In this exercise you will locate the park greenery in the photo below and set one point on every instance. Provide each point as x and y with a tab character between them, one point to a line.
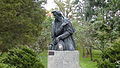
20	23
25	32
23	57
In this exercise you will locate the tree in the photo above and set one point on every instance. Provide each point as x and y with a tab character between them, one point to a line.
103	17
45	38
20	23
107	23
64	6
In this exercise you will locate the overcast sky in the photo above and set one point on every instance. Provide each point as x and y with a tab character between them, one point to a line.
50	4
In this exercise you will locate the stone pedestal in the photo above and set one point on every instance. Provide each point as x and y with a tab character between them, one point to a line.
63	59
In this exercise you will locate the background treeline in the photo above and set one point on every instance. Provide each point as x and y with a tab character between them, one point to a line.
99	30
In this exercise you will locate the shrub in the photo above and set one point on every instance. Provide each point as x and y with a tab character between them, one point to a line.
2	65
111	56
22	57
106	64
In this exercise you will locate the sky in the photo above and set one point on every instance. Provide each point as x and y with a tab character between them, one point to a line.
50	4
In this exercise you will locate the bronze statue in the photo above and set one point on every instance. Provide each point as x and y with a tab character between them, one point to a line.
62	32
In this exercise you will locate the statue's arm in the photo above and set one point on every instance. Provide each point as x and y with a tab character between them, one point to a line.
68	32
58	31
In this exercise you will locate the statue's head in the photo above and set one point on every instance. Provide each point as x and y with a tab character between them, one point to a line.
57	14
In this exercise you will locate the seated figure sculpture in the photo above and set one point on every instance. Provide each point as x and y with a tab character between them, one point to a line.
62	32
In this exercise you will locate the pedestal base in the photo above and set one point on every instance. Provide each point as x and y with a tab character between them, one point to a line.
63	59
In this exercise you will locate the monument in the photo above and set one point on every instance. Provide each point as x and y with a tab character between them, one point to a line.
62	53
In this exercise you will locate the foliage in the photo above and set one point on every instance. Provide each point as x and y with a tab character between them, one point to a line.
111	56
106	64
22	57
64	6
45	38
83	38
2	65
104	21
80	30
98	26
20	22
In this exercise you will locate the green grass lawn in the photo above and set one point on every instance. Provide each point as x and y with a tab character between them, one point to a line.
84	62
43	57
87	63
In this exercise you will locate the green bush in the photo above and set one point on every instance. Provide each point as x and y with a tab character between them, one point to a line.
22	57
106	64
2	65
111	56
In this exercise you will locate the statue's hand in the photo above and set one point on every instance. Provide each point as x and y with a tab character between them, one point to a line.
58	39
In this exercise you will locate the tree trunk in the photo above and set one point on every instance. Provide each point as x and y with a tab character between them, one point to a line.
87	52
83	52
91	55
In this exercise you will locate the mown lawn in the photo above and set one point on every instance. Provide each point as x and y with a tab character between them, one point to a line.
87	63
43	57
